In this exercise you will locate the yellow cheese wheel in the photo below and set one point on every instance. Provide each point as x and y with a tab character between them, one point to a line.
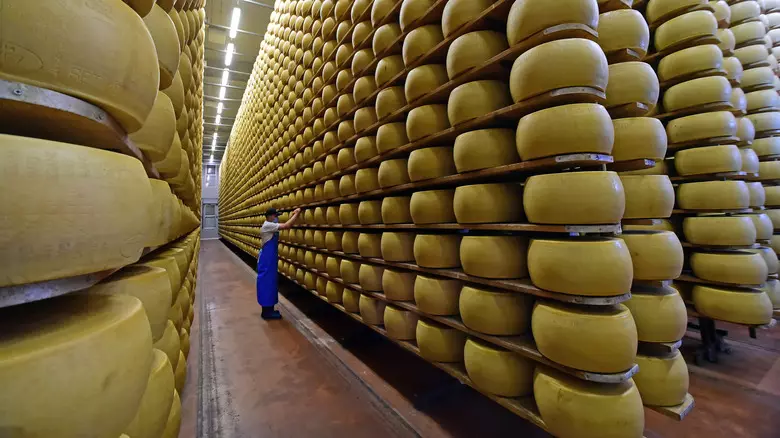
760	100
772	289
690	61
172	269
497	371
460	12
589	129
173	423
385	40
747	11
398	246
370	278
483	149
531	17
476	99
710	159
662	381
772	196
727	43
746	132
769	170
748	32
769	256
571	407
413	10
390	136
347	185
170	344
166	41
738	306
717	230
437	296
638	138
750	164
346	130
623	29
655	255
702	126
558	64
367	180
765	123
766	146
370	245
495	313
400	324
733	68
684	28
396	210
387	69
439	343
90	212
331	189
370	212
76	335
599	267
732	268
398	285
180	374
632	83
759	77
364	87
660	315
345	158
361	33
364	118
697	92
713	195
348	214
494	256
751	55
309	282
437	250
365	149
429	163
599	341
380	9
333	266
334	292
577	197
350	271
660	11
152	413
432	207
426	120
420	41
473	49
389	100
488	203
351	300
392	173
763	225
647	196
176	93
90	60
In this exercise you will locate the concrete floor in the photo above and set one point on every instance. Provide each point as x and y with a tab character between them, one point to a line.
318	373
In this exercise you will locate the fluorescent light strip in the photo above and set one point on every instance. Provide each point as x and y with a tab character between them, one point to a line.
234	22
222	91
219	119
229	54
219	108
225	76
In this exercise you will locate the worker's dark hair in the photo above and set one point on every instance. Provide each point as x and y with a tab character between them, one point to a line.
271	211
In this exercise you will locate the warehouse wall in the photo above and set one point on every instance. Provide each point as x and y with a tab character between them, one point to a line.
210	196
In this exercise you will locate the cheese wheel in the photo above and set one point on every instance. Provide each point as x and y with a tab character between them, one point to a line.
623	29
364	118
632	83
660	316
751	55
600	267
772	196
77	335
769	170
684	28
733	268
497	371
172	269
716	230
426	120
591	410
370	245
769	256
400	324
345	158
473	49
772	289
364	87
180	374
389	100
765	123
361	33
89	61
713	195
55	226
733	68
387	69
429	163
170	344
365	149
483	149
308	281
476	99
398	285
396	210
494	256
380	9
392	173
763	99
748	32
488	203
437	296
166	41
370	278
727	43
398	246
438	343
390	136
413	10
528	18
420	41
655	255
173	423
697	92
579	197
745	131
647	196
638	138
385	40
691	61
334	292
662	381
747	11
759	77
152	413
332	189
737	306
370	212
558	64
432	207
367	180
702	126
459	12
495	313
176	93
437	250
348	214
660	11
350	271
766	146
762	224
722	12
602	341
333	266
710	159
351	300
589	129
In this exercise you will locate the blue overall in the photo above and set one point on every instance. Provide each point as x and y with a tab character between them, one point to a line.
267	293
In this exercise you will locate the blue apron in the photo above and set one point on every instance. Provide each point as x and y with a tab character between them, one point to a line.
267	279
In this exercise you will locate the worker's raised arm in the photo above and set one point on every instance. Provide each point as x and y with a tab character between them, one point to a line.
287	225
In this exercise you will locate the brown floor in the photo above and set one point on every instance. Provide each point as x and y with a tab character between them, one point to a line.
256	379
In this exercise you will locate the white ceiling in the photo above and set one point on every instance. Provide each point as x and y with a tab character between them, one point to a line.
255	15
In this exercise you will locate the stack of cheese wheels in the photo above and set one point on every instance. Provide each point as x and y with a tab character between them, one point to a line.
89	213
656	254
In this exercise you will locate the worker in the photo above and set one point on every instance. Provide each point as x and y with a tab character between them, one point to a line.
267	259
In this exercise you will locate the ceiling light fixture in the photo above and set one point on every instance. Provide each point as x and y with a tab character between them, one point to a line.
219	108
219	119
229	54
225	76
222	91
234	22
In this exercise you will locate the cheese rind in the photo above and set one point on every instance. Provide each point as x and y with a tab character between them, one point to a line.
589	129
438	343
152	413
576	197
647	196
494	256
655	255
713	195
437	250
702	126
400	324
437	296
484	149
637	138
737	306
488	203
476	99
398	285
660	316
632	83
623	29
473	49
696	93
715	230
732	268
530	17
498	371
709	159
432	207
662	381
371	310
495	313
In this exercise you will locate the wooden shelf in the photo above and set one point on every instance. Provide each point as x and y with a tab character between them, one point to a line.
27	293
678	412
30	111
690	278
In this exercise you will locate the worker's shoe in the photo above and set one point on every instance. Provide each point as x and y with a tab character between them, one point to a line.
270	313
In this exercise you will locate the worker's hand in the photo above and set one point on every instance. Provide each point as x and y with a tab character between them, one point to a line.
297	211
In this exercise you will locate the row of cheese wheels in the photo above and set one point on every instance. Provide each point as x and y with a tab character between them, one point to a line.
120	359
